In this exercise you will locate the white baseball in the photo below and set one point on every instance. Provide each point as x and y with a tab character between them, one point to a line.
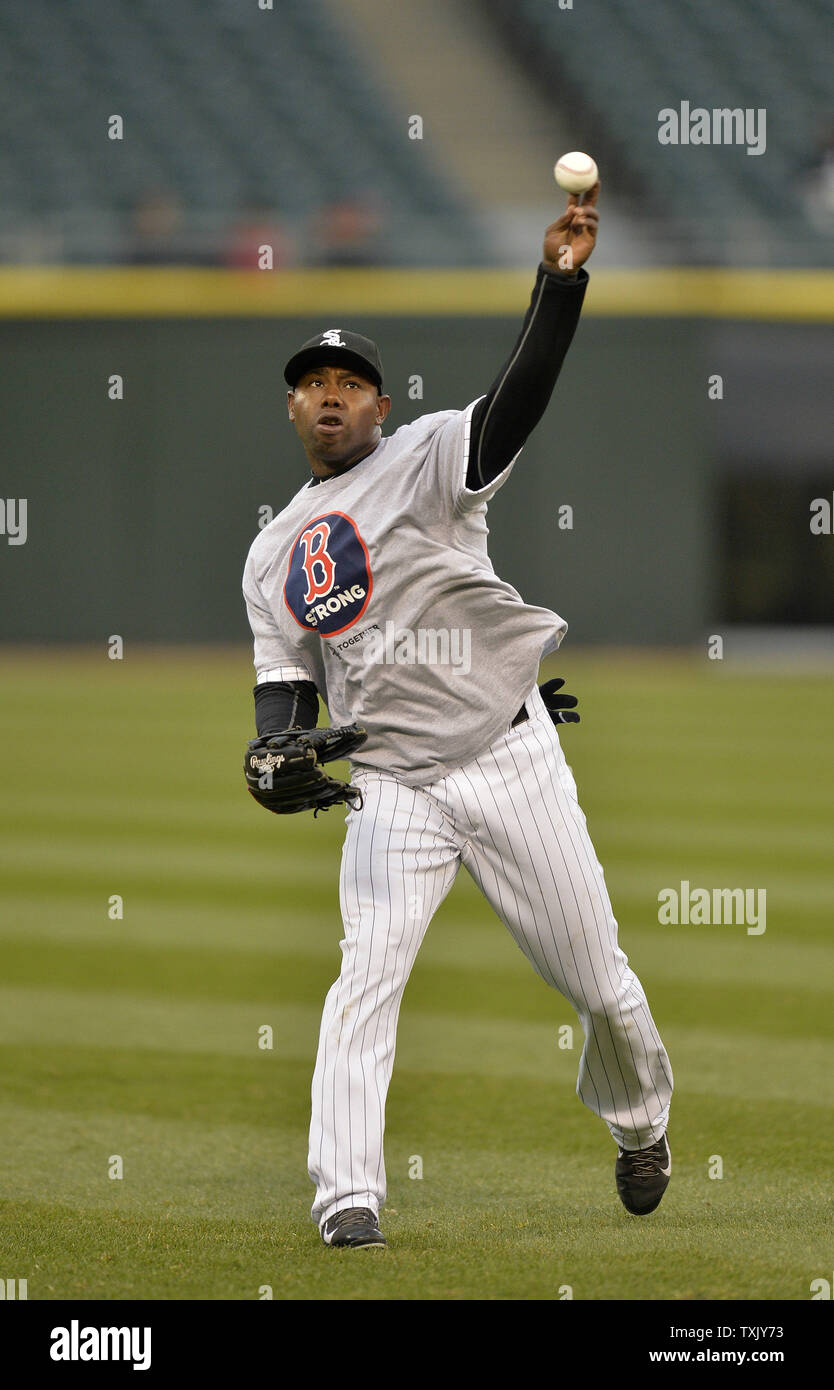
575	172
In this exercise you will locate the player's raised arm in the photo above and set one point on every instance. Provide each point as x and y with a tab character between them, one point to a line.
517	399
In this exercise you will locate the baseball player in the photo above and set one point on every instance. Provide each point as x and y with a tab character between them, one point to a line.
373	588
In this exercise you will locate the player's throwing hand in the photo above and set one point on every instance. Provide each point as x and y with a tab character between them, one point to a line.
569	241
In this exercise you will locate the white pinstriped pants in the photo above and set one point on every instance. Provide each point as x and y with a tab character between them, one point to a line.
512	818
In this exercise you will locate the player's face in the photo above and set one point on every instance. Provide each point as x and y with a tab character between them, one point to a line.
337	415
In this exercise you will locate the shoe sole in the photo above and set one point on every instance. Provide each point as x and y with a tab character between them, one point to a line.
356	1245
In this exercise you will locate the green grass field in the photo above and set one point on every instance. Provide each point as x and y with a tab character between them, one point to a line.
139	1037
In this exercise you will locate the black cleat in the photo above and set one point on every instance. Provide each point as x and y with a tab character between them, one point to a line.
355	1227
643	1176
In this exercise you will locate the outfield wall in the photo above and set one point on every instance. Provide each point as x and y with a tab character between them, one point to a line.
141	510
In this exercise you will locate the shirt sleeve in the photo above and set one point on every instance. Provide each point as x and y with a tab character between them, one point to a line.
449	463
276	657
504	418
473	450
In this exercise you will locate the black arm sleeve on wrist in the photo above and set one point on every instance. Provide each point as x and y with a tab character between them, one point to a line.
281	705
518	397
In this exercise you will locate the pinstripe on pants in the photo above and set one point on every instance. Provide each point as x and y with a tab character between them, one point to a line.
512	818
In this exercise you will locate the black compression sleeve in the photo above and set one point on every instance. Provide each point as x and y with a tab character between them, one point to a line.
518	397
283	705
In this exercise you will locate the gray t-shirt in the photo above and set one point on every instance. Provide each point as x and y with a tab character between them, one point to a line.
377	586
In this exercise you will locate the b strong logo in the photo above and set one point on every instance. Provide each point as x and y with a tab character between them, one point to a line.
316	560
329	581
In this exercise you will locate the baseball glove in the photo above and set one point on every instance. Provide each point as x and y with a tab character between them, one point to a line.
284	771
559	707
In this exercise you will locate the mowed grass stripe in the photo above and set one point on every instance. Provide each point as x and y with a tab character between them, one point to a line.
198	825
426	1110
797	906
226	847
213	1169
263	888
461	931
792	816
806	843
203	973
704	1060
234	1170
158	865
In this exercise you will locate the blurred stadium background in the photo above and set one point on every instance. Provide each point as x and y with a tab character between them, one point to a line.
291	128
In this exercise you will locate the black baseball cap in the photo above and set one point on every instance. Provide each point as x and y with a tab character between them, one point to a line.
340	347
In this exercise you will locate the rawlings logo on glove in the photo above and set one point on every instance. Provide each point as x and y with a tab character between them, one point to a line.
268	763
284	771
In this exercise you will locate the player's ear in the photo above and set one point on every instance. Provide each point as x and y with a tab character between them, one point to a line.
290	402
383	405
